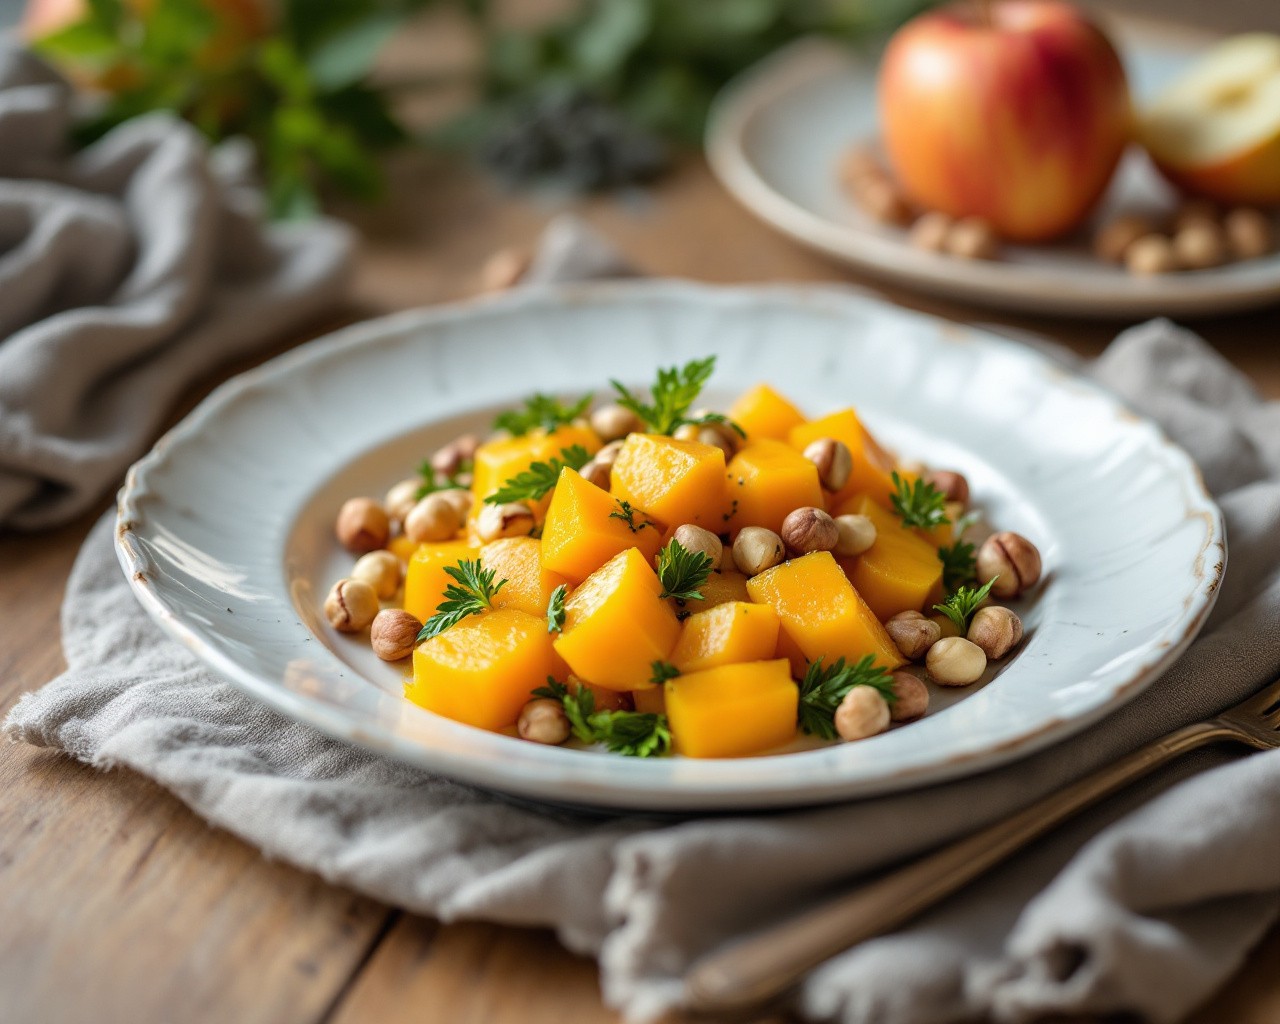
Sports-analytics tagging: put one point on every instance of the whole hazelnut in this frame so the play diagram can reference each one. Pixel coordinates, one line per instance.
(1114, 237)
(996, 630)
(608, 455)
(511, 520)
(351, 605)
(1195, 211)
(912, 697)
(862, 713)
(859, 162)
(955, 661)
(379, 569)
(880, 199)
(613, 422)
(450, 459)
(854, 535)
(461, 499)
(973, 238)
(713, 433)
(833, 461)
(756, 549)
(596, 472)
(930, 231)
(362, 525)
(543, 721)
(1200, 245)
(954, 486)
(393, 634)
(1149, 255)
(1249, 233)
(913, 634)
(695, 538)
(1012, 558)
(434, 518)
(809, 529)
(401, 498)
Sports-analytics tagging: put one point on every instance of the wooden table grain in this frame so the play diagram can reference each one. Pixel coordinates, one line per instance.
(119, 904)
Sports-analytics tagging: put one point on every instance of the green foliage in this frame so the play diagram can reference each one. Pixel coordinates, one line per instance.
(555, 609)
(662, 671)
(672, 394)
(682, 572)
(433, 481)
(628, 514)
(539, 478)
(959, 565)
(632, 733)
(918, 503)
(961, 605)
(470, 593)
(539, 410)
(822, 690)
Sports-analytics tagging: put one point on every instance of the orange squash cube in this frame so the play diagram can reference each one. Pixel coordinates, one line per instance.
(733, 710)
(402, 547)
(900, 572)
(497, 461)
(652, 701)
(720, 588)
(518, 560)
(872, 465)
(425, 580)
(821, 611)
(768, 480)
(789, 649)
(580, 533)
(763, 413)
(616, 626)
(674, 481)
(733, 632)
(481, 670)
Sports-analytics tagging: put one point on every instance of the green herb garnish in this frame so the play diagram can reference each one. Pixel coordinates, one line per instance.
(632, 733)
(822, 690)
(961, 605)
(662, 671)
(958, 564)
(543, 411)
(555, 609)
(539, 478)
(433, 481)
(470, 594)
(682, 571)
(674, 392)
(918, 503)
(627, 513)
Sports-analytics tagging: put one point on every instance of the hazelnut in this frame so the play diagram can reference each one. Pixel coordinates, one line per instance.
(880, 199)
(756, 549)
(1150, 254)
(930, 231)
(543, 721)
(362, 525)
(1200, 245)
(912, 697)
(954, 661)
(512, 520)
(1114, 237)
(809, 529)
(613, 422)
(833, 460)
(695, 538)
(434, 518)
(862, 713)
(854, 535)
(717, 435)
(608, 455)
(996, 630)
(1012, 558)
(401, 498)
(461, 499)
(504, 269)
(954, 486)
(379, 569)
(1249, 233)
(1195, 211)
(351, 605)
(596, 472)
(450, 459)
(913, 634)
(393, 634)
(973, 238)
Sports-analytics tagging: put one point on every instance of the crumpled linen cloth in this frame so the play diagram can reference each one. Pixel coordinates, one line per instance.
(1146, 904)
(127, 271)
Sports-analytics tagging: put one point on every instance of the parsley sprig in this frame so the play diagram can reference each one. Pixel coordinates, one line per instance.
(433, 481)
(539, 478)
(682, 572)
(918, 503)
(633, 733)
(539, 410)
(959, 565)
(470, 594)
(961, 605)
(673, 394)
(555, 609)
(662, 671)
(627, 513)
(822, 690)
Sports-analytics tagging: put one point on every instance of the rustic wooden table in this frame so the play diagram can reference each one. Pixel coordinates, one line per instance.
(119, 904)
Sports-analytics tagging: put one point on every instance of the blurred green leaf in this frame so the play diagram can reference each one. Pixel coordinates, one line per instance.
(345, 57)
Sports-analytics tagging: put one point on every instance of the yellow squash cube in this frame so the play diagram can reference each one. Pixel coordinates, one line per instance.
(674, 481)
(518, 560)
(497, 461)
(763, 413)
(425, 579)
(733, 710)
(580, 532)
(402, 547)
(768, 480)
(900, 572)
(872, 465)
(733, 632)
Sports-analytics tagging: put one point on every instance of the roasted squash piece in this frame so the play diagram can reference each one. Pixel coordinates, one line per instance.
(616, 626)
(402, 547)
(901, 572)
(733, 632)
(674, 481)
(719, 588)
(733, 710)
(581, 533)
(763, 413)
(821, 611)
(425, 580)
(652, 701)
(518, 560)
(497, 461)
(481, 670)
(767, 480)
(872, 465)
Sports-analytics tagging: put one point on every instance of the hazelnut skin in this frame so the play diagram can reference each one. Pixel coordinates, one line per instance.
(362, 525)
(862, 713)
(696, 538)
(756, 549)
(913, 634)
(451, 458)
(996, 630)
(912, 698)
(1012, 558)
(379, 569)
(393, 634)
(433, 518)
(809, 529)
(954, 486)
(613, 422)
(401, 498)
(512, 520)
(854, 535)
(543, 721)
(351, 605)
(954, 661)
(833, 460)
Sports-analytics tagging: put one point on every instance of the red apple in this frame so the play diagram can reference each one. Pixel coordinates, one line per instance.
(1016, 112)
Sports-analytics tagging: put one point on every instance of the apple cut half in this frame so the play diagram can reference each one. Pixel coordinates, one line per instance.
(1216, 129)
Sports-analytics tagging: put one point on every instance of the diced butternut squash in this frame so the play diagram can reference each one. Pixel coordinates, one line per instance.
(425, 580)
(901, 572)
(616, 626)
(789, 649)
(581, 533)
(734, 632)
(518, 560)
(497, 461)
(872, 465)
(720, 588)
(674, 481)
(821, 611)
(763, 413)
(768, 480)
(733, 710)
(402, 547)
(481, 671)
(652, 701)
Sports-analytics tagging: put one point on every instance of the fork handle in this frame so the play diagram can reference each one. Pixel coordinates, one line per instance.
(767, 963)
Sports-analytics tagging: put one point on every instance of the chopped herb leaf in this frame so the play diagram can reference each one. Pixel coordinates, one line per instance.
(918, 503)
(627, 513)
(433, 481)
(675, 390)
(543, 411)
(682, 571)
(822, 690)
(555, 609)
(959, 565)
(539, 478)
(470, 594)
(632, 733)
(961, 605)
(662, 671)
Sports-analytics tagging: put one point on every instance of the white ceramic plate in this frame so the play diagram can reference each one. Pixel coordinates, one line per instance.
(226, 527)
(776, 134)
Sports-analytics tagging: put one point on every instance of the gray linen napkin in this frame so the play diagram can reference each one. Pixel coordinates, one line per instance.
(127, 271)
(1146, 904)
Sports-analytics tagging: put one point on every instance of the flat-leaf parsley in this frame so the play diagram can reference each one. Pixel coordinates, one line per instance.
(470, 594)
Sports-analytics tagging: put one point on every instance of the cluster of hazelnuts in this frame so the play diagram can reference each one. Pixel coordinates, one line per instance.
(1198, 237)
